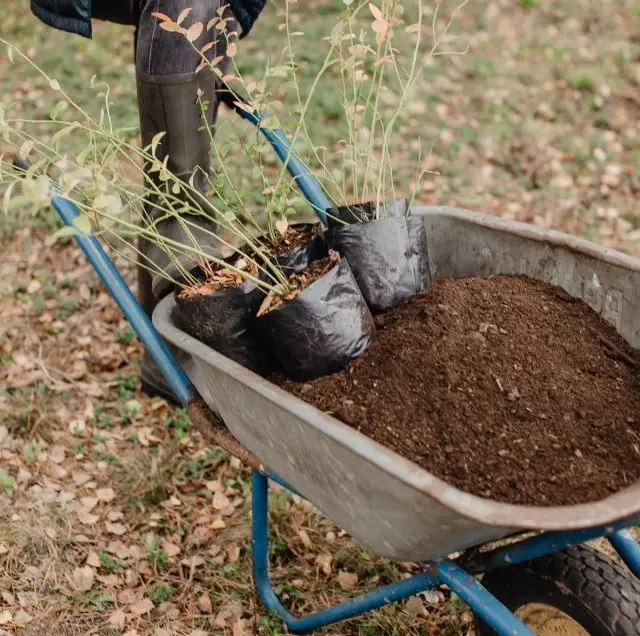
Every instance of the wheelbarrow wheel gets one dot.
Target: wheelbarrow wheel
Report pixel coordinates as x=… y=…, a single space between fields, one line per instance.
x=576 y=592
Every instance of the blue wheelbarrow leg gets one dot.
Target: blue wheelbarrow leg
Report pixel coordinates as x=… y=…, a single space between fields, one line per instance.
x=437 y=572
x=127 y=302
x=628 y=548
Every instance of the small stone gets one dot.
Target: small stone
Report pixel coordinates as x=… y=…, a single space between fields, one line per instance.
x=578 y=453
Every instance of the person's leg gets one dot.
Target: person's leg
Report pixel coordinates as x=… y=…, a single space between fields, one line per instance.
x=169 y=96
x=169 y=92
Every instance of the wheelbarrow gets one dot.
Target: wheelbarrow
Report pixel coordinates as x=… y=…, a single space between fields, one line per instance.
x=386 y=502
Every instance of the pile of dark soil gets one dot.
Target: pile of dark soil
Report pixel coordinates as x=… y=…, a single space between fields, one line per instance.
x=502 y=386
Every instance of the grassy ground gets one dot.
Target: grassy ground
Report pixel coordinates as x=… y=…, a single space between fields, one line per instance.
x=114 y=518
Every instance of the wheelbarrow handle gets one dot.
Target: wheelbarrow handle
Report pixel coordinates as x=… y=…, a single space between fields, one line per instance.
x=308 y=184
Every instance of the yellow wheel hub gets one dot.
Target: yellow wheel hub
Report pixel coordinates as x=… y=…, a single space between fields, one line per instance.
x=546 y=620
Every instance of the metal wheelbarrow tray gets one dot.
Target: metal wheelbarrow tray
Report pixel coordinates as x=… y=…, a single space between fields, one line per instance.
x=386 y=502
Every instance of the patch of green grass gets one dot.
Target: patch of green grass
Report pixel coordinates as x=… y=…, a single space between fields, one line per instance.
x=31 y=451
x=580 y=80
x=6 y=480
x=126 y=385
x=126 y=336
x=98 y=601
x=80 y=449
x=65 y=308
x=179 y=423
x=156 y=554
x=101 y=419
x=160 y=593
x=110 y=562
x=101 y=456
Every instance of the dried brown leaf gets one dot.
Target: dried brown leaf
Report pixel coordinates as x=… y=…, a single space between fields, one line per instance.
x=93 y=560
x=118 y=619
x=220 y=501
x=89 y=502
x=324 y=561
x=83 y=578
x=141 y=607
x=347 y=580
x=233 y=553
x=22 y=618
x=304 y=537
x=204 y=604
x=106 y=494
x=116 y=528
x=170 y=548
x=86 y=517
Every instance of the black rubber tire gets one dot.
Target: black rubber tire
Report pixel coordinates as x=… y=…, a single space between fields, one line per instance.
x=601 y=596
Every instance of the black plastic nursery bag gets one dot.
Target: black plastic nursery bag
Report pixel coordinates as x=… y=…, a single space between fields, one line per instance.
x=322 y=328
x=224 y=320
x=388 y=257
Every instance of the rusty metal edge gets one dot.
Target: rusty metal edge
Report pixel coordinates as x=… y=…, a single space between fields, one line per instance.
x=213 y=430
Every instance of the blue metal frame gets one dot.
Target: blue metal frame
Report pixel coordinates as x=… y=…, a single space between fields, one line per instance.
x=628 y=548
x=547 y=542
x=442 y=572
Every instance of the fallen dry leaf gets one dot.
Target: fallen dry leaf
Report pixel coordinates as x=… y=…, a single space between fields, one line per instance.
x=304 y=537
x=281 y=225
x=115 y=528
x=93 y=560
x=346 y=580
x=83 y=578
x=57 y=454
x=5 y=617
x=141 y=607
x=214 y=486
x=22 y=618
x=170 y=548
x=118 y=619
x=415 y=606
x=221 y=618
x=233 y=552
x=198 y=632
x=106 y=494
x=220 y=501
x=89 y=502
x=110 y=580
x=204 y=604
x=86 y=517
x=128 y=597
x=324 y=561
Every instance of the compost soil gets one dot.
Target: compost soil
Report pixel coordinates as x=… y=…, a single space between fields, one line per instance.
x=502 y=386
x=296 y=236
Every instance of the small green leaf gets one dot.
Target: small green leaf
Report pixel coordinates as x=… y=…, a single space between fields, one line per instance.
x=6 y=480
x=83 y=224
x=65 y=232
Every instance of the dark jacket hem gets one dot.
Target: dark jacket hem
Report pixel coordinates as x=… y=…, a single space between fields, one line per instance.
x=71 y=25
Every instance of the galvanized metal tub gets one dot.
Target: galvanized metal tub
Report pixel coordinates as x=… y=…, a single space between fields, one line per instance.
x=386 y=502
